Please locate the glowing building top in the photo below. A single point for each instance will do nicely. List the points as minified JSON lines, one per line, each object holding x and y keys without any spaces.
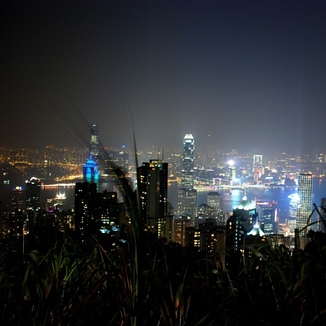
{"x":90,"y":171}
{"x":246,"y":204}
{"x":256,"y":230}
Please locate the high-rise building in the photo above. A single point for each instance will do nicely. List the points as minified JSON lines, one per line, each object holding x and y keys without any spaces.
{"x":181,"y":223}
{"x":267,"y":216}
{"x":305,"y":199}
{"x":107,"y":214}
{"x":188,"y":156}
{"x":17,"y":215}
{"x":214,"y":200}
{"x":187,"y":202}
{"x":33,"y":201}
{"x":17,"y":199}
{"x":232,"y":171}
{"x":257,"y":166}
{"x":205,"y":211}
{"x":239,"y":228}
{"x":85,"y":203}
{"x":240,"y":223}
{"x":153,"y":189}
{"x":205,"y":237}
{"x":187,"y":195}
{"x":94,"y":149}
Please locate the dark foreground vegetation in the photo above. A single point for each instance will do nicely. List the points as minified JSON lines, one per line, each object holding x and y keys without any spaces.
{"x":161,"y":284}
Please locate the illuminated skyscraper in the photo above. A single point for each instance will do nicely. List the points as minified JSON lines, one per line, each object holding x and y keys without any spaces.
{"x":180,"y":225}
{"x":107,"y":213}
{"x":240,"y":223}
{"x":85,"y":203}
{"x":90,"y":171}
{"x":94,"y":149}
{"x":17,"y":199}
{"x":86,"y":220}
{"x":267,"y":216}
{"x":153,"y":190}
{"x":188,"y":156}
{"x":214,"y":200}
{"x":232,"y":171}
{"x":33,"y":201}
{"x":238,"y":229}
{"x":257,"y":166}
{"x":305,"y":199}
{"x":17,"y":215}
{"x":187,"y":195}
{"x":187,"y":202}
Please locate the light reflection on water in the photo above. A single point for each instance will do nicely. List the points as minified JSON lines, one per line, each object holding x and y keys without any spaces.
{"x":228,"y":200}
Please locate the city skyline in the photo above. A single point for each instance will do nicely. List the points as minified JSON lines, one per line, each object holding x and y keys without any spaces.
{"x":248,"y":76}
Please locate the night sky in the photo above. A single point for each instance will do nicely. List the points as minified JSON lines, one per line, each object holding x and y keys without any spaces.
{"x":246,"y":75}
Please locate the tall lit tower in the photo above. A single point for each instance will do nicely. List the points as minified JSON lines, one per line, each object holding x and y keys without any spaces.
{"x":153,"y":190}
{"x":305,"y":199}
{"x":267,"y":216}
{"x":187,"y":195}
{"x":85,"y":203}
{"x":33,"y":201}
{"x":214,"y":200}
{"x":240,"y":223}
{"x":94,"y":149}
{"x":16,"y":218}
{"x":232,"y":172}
{"x":188,"y":148}
{"x":238,"y":228}
{"x":257,"y":166}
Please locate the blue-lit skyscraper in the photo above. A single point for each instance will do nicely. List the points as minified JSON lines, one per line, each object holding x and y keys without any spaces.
{"x":90,"y":171}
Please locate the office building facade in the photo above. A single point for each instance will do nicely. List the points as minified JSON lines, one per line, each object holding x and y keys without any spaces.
{"x":94,"y":146}
{"x":267,"y":216}
{"x":153,"y":190}
{"x":187,"y":195}
{"x":305,"y":188}
{"x":33,"y":201}
{"x":188,"y":161}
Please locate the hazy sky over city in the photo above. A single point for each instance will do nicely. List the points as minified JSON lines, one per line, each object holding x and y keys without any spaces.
{"x":246,"y":75}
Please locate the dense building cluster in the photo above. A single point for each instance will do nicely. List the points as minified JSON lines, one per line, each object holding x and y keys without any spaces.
{"x":204,"y":226}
